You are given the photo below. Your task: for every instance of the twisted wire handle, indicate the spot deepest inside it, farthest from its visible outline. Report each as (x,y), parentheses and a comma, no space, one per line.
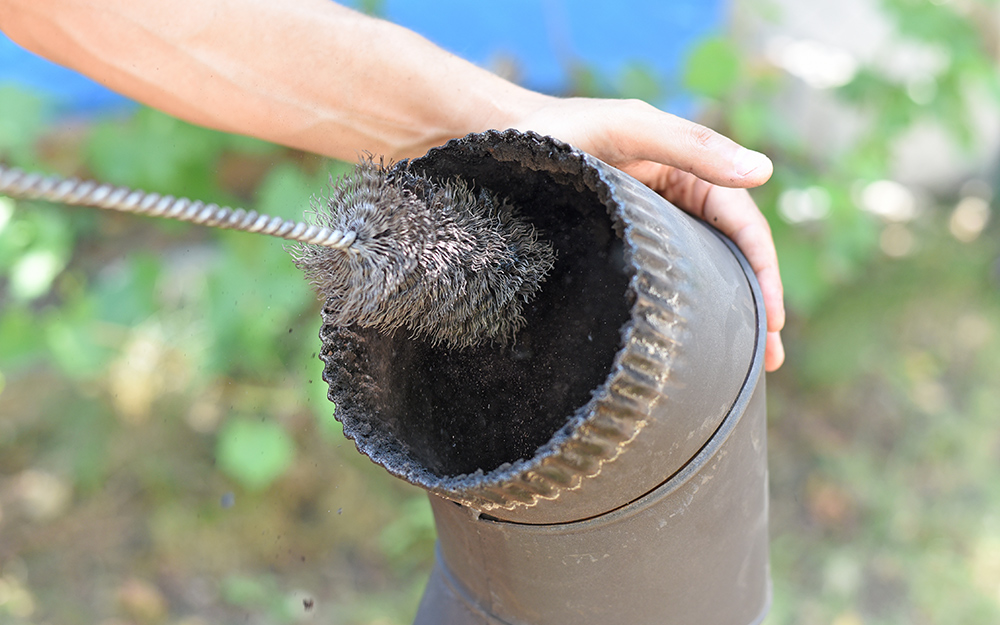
(19,184)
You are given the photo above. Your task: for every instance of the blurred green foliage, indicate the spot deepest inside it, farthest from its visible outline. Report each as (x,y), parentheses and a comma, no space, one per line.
(165,434)
(23,121)
(883,441)
(712,68)
(823,256)
(254,453)
(155,369)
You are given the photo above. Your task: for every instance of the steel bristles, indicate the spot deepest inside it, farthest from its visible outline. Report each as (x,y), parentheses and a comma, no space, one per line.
(449,265)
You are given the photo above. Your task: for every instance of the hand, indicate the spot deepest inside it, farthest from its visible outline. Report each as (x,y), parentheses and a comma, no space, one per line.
(691,166)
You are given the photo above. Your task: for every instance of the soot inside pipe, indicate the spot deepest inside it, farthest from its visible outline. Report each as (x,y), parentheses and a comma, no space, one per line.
(416,408)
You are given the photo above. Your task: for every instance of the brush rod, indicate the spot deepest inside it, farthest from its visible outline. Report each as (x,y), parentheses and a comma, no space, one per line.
(19,184)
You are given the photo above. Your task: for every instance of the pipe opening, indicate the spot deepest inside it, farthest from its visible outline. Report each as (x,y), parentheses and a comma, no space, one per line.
(429,413)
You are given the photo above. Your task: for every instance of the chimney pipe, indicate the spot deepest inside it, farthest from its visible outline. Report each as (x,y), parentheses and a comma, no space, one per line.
(609,466)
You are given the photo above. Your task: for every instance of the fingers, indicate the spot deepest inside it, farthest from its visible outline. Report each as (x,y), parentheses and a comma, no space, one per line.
(753,237)
(643,132)
(774,352)
(736,215)
(698,169)
(624,133)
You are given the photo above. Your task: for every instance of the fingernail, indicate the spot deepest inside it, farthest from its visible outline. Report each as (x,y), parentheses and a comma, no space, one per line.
(747,161)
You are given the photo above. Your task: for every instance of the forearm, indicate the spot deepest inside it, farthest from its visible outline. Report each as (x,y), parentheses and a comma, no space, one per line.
(314,75)
(304,73)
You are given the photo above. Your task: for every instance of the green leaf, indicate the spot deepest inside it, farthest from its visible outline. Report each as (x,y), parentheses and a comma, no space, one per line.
(33,274)
(21,124)
(254,453)
(585,81)
(73,345)
(712,68)
(410,537)
(801,272)
(639,81)
(375,8)
(258,594)
(287,191)
(325,411)
(35,246)
(156,152)
(749,121)
(21,338)
(256,294)
(126,293)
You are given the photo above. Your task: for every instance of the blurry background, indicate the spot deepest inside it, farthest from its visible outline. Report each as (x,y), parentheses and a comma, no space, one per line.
(167,453)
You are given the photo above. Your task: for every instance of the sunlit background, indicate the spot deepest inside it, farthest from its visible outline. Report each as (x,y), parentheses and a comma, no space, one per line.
(167,453)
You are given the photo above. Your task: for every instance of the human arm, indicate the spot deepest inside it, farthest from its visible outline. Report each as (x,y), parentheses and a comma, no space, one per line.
(314,75)
(310,74)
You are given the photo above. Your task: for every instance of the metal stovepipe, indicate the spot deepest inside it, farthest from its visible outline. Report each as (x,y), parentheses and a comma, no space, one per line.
(610,465)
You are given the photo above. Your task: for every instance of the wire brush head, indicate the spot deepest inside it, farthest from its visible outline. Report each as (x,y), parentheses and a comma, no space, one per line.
(450,265)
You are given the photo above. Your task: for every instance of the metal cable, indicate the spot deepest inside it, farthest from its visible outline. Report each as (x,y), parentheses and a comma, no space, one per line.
(19,184)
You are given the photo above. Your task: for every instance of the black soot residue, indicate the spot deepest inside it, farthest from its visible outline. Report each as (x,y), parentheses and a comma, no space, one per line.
(460,411)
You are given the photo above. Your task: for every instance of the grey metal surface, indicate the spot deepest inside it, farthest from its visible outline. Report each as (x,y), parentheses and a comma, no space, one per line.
(673,332)
(686,353)
(693,551)
(611,466)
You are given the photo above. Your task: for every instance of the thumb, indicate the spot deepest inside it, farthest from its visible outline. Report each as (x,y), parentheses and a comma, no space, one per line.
(646,133)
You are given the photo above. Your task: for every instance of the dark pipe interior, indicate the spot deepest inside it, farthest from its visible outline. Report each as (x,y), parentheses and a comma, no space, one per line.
(459,412)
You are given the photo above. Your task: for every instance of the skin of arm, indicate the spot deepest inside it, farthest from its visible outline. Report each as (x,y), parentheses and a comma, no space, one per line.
(314,75)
